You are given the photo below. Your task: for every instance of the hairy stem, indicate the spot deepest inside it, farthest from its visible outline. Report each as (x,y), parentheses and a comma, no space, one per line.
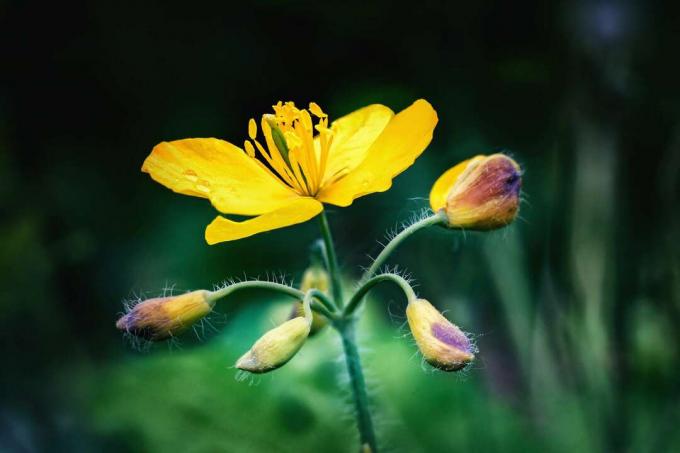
(331,258)
(358,384)
(356,299)
(435,219)
(257,284)
(325,307)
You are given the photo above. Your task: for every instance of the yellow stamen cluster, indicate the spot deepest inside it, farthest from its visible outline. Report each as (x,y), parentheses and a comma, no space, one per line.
(291,149)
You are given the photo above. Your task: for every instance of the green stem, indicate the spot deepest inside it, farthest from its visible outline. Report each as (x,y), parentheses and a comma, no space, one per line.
(325,307)
(370,283)
(326,303)
(356,378)
(307,306)
(434,219)
(332,259)
(257,284)
(322,310)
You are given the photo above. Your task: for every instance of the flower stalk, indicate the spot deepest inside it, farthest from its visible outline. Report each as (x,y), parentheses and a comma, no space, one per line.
(331,260)
(347,330)
(438,218)
(346,327)
(358,297)
(324,305)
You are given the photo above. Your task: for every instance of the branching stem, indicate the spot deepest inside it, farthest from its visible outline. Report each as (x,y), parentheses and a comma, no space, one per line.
(325,307)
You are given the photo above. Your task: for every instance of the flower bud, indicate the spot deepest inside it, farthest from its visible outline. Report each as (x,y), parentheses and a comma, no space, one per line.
(481,193)
(315,277)
(163,317)
(443,344)
(276,347)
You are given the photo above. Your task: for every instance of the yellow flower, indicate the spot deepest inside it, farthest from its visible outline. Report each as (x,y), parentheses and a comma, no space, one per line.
(482,193)
(285,179)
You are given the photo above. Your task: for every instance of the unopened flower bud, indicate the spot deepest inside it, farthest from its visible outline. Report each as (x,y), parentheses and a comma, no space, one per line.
(276,347)
(163,317)
(481,193)
(315,277)
(442,343)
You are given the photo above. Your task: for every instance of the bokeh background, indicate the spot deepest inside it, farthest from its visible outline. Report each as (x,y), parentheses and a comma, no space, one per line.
(575,308)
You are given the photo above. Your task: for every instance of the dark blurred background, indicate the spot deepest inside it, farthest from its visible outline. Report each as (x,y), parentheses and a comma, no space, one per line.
(575,308)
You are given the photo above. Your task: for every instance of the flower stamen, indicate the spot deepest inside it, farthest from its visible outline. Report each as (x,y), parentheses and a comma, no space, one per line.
(298,158)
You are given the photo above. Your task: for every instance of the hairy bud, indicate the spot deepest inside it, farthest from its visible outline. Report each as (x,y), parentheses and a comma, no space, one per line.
(443,344)
(481,193)
(163,317)
(276,347)
(315,277)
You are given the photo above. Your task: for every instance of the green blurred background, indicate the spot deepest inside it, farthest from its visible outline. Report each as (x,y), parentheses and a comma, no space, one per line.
(575,308)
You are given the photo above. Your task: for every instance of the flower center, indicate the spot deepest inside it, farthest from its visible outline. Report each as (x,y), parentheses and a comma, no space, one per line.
(297,157)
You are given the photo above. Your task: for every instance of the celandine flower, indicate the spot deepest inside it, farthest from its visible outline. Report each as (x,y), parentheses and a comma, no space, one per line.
(284,177)
(163,317)
(442,343)
(481,193)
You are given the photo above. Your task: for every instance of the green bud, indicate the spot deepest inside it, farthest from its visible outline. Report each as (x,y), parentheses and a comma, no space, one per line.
(275,348)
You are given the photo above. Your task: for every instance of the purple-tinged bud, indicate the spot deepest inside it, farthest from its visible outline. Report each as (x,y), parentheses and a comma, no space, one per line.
(442,343)
(163,317)
(482,193)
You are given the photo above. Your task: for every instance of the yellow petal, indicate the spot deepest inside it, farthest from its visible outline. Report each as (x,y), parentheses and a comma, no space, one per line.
(353,135)
(404,138)
(210,168)
(442,187)
(298,211)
